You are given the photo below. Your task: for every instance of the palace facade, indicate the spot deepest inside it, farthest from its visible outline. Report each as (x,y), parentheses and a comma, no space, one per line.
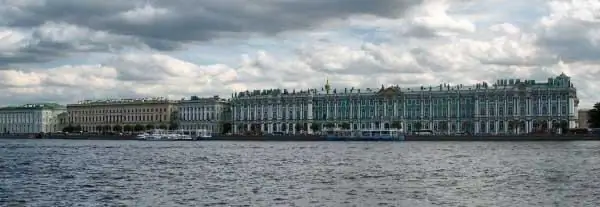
(31,118)
(203,113)
(122,114)
(507,106)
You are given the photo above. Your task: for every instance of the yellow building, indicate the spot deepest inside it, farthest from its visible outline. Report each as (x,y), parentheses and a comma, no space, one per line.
(122,115)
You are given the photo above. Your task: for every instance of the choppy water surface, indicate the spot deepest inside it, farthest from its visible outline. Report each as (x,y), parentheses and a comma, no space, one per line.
(133,173)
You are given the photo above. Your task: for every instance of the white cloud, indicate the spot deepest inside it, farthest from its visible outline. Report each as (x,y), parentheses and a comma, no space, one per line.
(10,41)
(144,15)
(572,30)
(432,43)
(433,15)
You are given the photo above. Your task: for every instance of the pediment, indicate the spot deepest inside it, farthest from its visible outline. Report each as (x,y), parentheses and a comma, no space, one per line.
(388,92)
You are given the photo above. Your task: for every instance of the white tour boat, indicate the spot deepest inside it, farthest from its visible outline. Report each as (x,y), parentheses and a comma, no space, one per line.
(174,135)
(365,135)
(164,135)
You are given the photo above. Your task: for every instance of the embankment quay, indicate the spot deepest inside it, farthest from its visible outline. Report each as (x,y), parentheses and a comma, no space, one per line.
(322,138)
(421,138)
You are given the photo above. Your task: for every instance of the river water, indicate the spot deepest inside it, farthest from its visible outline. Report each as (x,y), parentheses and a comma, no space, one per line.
(413,174)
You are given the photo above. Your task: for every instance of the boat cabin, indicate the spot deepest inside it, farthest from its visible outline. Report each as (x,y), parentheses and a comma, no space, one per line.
(384,133)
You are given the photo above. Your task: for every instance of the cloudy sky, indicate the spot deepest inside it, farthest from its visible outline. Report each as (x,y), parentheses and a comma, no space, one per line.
(69,50)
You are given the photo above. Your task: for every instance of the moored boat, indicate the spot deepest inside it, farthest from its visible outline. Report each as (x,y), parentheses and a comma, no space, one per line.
(164,135)
(202,134)
(365,135)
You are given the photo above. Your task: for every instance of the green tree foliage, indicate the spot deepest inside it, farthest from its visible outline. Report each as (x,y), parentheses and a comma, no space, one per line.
(138,128)
(298,127)
(227,128)
(315,127)
(417,126)
(68,129)
(396,125)
(594,116)
(345,125)
(330,125)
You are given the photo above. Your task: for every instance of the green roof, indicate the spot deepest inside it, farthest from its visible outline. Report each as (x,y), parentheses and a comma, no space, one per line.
(35,106)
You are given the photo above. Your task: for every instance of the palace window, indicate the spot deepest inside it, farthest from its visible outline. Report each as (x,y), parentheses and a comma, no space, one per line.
(544,110)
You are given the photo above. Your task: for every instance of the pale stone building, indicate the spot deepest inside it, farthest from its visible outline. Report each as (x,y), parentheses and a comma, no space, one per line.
(203,113)
(31,118)
(122,114)
(504,107)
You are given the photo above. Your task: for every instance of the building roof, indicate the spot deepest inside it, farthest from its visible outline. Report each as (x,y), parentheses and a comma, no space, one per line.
(561,81)
(124,101)
(196,99)
(36,106)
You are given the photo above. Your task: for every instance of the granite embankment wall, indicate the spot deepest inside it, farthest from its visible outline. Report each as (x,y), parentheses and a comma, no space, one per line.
(419,138)
(73,137)
(505,138)
(319,138)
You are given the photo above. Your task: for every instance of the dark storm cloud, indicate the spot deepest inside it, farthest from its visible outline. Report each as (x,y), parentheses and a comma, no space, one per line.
(572,49)
(35,53)
(40,47)
(570,40)
(184,21)
(189,20)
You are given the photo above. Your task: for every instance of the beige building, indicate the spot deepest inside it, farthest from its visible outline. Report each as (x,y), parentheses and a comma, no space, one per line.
(122,114)
(582,118)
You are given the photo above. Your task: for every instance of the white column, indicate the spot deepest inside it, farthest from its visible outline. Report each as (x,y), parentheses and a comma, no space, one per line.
(335,109)
(395,109)
(327,114)
(531,126)
(422,110)
(476,108)
(270,112)
(496,126)
(549,103)
(571,106)
(279,109)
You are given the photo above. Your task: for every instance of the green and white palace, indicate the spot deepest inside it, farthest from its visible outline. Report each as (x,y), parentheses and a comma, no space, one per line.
(505,107)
